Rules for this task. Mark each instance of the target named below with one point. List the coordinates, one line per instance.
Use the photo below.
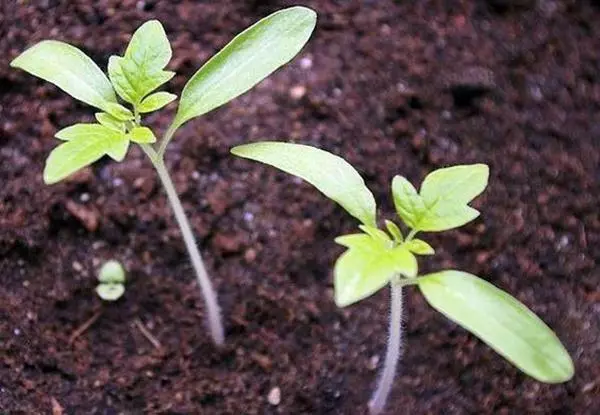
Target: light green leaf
(408, 203)
(367, 266)
(446, 193)
(140, 71)
(119, 112)
(112, 272)
(419, 247)
(377, 234)
(109, 121)
(68, 68)
(249, 58)
(457, 184)
(502, 322)
(330, 174)
(110, 292)
(85, 143)
(156, 101)
(394, 230)
(142, 135)
(149, 47)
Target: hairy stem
(210, 297)
(379, 398)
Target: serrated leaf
(84, 144)
(142, 135)
(394, 230)
(446, 193)
(156, 101)
(408, 203)
(70, 69)
(330, 174)
(502, 322)
(110, 292)
(112, 272)
(249, 58)
(109, 121)
(367, 266)
(140, 71)
(419, 247)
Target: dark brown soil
(396, 88)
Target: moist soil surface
(395, 88)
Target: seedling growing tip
(375, 258)
(128, 93)
(111, 279)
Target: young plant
(249, 58)
(375, 258)
(111, 280)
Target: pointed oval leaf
(86, 144)
(419, 247)
(330, 174)
(457, 184)
(367, 267)
(408, 203)
(447, 216)
(394, 230)
(142, 135)
(110, 292)
(119, 112)
(502, 322)
(109, 121)
(249, 58)
(70, 69)
(156, 101)
(149, 47)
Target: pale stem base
(210, 297)
(379, 399)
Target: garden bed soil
(394, 87)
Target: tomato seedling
(375, 258)
(111, 281)
(249, 58)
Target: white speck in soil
(85, 197)
(17, 332)
(274, 396)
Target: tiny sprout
(375, 258)
(112, 281)
(128, 92)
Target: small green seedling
(249, 58)
(375, 258)
(111, 279)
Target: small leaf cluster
(376, 257)
(111, 279)
(129, 89)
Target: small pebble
(306, 62)
(297, 92)
(85, 197)
(373, 362)
(17, 332)
(274, 396)
(77, 266)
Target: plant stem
(379, 398)
(411, 235)
(166, 139)
(210, 297)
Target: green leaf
(376, 233)
(394, 230)
(408, 203)
(367, 266)
(330, 174)
(109, 121)
(70, 69)
(142, 135)
(119, 112)
(85, 143)
(446, 193)
(140, 71)
(112, 272)
(156, 101)
(419, 247)
(110, 292)
(249, 58)
(502, 322)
